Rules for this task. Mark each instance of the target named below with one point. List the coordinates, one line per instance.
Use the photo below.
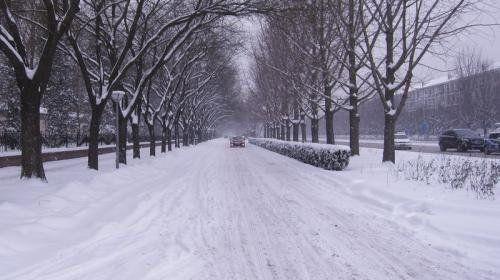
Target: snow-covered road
(211, 212)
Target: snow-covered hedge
(330, 157)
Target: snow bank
(330, 157)
(452, 220)
(39, 220)
(212, 212)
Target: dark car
(492, 143)
(237, 141)
(461, 139)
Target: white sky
(485, 40)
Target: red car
(237, 141)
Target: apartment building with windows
(472, 102)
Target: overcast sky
(485, 40)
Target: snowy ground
(211, 212)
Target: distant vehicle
(461, 139)
(492, 143)
(237, 141)
(401, 141)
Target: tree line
(320, 57)
(170, 58)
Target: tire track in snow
(216, 213)
(380, 246)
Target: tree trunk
(169, 139)
(152, 140)
(31, 138)
(283, 132)
(192, 136)
(134, 123)
(164, 139)
(354, 125)
(330, 139)
(201, 136)
(315, 130)
(95, 122)
(295, 132)
(353, 89)
(389, 129)
(303, 128)
(136, 141)
(197, 138)
(288, 130)
(185, 139)
(390, 121)
(122, 132)
(295, 124)
(176, 132)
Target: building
(471, 102)
(432, 107)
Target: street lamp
(117, 96)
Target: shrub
(330, 157)
(478, 176)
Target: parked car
(237, 141)
(461, 139)
(401, 141)
(492, 143)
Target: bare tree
(397, 35)
(349, 24)
(113, 28)
(32, 66)
(301, 46)
(479, 90)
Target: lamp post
(117, 96)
